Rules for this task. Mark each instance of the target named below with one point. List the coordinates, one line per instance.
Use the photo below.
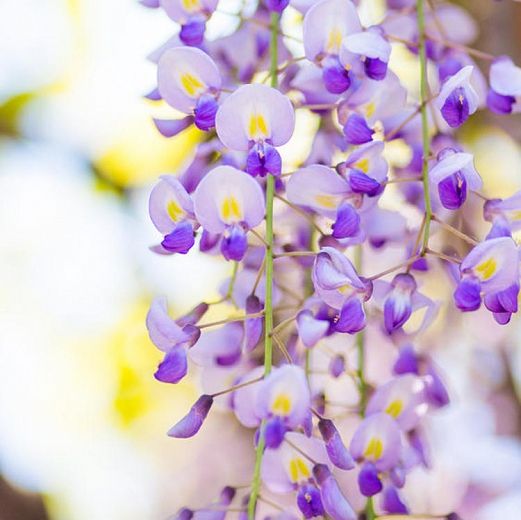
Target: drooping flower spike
(256, 119)
(326, 24)
(190, 82)
(192, 16)
(171, 210)
(228, 202)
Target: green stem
(362, 383)
(424, 96)
(268, 300)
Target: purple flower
(505, 86)
(326, 24)
(189, 81)
(309, 501)
(335, 279)
(490, 267)
(220, 346)
(284, 395)
(171, 338)
(454, 176)
(171, 211)
(229, 202)
(311, 329)
(392, 503)
(507, 210)
(377, 440)
(368, 480)
(402, 398)
(457, 99)
(189, 425)
(371, 47)
(256, 118)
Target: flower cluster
(301, 243)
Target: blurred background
(82, 421)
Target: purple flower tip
(192, 33)
(181, 239)
(368, 480)
(336, 450)
(357, 130)
(204, 112)
(467, 295)
(309, 501)
(189, 425)
(274, 433)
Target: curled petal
(164, 332)
(309, 501)
(189, 425)
(392, 503)
(192, 32)
(467, 295)
(347, 223)
(357, 130)
(274, 433)
(310, 329)
(234, 244)
(252, 326)
(173, 367)
(180, 240)
(352, 316)
(368, 480)
(172, 127)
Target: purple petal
(262, 159)
(397, 310)
(180, 240)
(309, 501)
(362, 183)
(336, 78)
(274, 433)
(252, 326)
(189, 425)
(500, 104)
(335, 504)
(435, 390)
(467, 295)
(455, 110)
(453, 191)
(375, 69)
(336, 450)
(347, 223)
(368, 480)
(277, 6)
(172, 127)
(337, 366)
(234, 244)
(357, 131)
(192, 33)
(173, 367)
(164, 332)
(407, 362)
(310, 329)
(352, 317)
(153, 95)
(204, 112)
(392, 502)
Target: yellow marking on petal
(369, 108)
(362, 164)
(231, 210)
(174, 210)
(374, 449)
(334, 40)
(191, 84)
(257, 128)
(298, 470)
(394, 409)
(191, 5)
(326, 201)
(487, 268)
(515, 215)
(281, 405)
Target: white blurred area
(81, 418)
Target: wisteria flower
(171, 210)
(229, 202)
(284, 400)
(505, 86)
(326, 24)
(457, 99)
(172, 338)
(191, 15)
(454, 176)
(256, 118)
(189, 81)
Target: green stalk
(424, 98)
(362, 383)
(268, 301)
